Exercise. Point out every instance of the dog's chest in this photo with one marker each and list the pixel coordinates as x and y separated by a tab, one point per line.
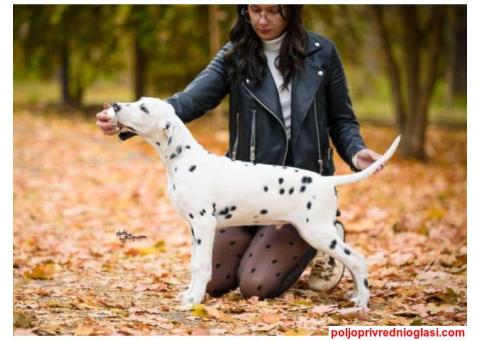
188	186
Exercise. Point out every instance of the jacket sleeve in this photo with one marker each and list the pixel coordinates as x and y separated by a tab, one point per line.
343	126
205	92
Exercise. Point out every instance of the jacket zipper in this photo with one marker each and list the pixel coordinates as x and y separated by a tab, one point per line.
235	145
273	114
252	138
320	162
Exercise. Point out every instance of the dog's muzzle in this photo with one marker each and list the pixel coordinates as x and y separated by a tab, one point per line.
125	131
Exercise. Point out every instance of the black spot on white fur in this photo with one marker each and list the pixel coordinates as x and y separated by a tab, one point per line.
224	211
192	168
199	241
179	149
290	191
302	188
282	191
280	180
306	180
263	211
365	283
333	244
347	251
309	205
169	140
191	216
187	147
158	143
265	188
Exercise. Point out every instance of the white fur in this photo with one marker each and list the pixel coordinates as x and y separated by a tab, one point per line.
227	184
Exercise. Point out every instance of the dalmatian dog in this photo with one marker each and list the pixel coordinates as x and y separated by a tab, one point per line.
211	192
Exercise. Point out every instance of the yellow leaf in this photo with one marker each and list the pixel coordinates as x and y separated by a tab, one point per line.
159	247
22	319
448	296
43	271
199	310
90	301
416	322
302	302
297	332
435	213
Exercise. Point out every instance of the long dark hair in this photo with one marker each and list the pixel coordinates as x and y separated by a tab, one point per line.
246	58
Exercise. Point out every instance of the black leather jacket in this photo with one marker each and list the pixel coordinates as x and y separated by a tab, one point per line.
320	106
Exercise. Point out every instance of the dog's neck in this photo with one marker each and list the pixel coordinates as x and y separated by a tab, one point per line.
173	148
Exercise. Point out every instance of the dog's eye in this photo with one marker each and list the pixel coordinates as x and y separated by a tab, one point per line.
143	108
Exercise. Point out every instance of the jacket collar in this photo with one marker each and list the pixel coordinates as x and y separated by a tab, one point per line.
304	86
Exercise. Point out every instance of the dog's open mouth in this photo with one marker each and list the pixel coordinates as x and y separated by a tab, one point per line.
126	132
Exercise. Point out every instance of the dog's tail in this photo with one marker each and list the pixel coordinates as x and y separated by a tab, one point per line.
351	178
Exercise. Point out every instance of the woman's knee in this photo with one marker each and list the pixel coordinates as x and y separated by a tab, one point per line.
219	286
259	285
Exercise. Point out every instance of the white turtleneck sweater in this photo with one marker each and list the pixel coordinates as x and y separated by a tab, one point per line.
271	48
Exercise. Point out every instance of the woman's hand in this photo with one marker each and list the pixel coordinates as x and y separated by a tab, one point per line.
104	122
366	157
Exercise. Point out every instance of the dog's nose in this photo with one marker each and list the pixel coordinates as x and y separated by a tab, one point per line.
116	107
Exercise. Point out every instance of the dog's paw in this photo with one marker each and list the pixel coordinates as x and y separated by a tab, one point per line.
186	306
182	295
189	300
360	300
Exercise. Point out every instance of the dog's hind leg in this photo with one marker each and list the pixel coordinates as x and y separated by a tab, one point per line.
201	262
327	240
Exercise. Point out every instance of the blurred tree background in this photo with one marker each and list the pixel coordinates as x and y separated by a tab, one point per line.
406	65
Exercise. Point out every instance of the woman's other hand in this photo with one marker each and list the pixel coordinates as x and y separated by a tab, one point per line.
366	157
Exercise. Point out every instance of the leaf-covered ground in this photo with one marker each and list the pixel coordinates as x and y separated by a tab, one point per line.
75	188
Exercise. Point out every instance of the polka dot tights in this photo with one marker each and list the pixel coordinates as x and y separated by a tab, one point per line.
261	260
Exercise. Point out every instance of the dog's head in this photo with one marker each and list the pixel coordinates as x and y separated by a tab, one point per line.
147	117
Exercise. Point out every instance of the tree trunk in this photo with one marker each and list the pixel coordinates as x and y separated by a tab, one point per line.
140	67
65	74
414	129
412	94
460	51
393	71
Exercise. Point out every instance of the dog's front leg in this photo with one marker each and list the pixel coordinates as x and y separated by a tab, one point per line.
201	263
192	261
